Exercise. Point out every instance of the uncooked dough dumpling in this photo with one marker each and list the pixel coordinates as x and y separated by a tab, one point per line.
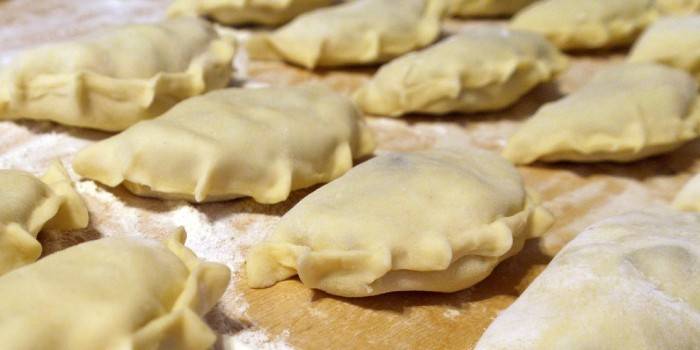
587	24
236	12
480	69
432	221
29	204
233	143
353	33
673	41
689	196
625	113
628	282
486	8
678	6
114	79
112	293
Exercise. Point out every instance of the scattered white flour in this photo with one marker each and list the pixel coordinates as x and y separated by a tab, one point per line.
252	340
451	314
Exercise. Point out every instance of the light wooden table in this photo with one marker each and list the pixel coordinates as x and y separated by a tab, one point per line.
288	313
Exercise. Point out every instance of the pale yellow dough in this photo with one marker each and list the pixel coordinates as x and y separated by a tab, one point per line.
353	33
480	69
432	221
678	6
236	12
231	143
486	8
112	294
673	41
28	204
112	80
689	196
629	282
625	113
587	24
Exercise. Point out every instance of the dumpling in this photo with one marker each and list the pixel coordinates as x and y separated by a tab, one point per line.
232	143
625	113
678	6
674	41
481	69
432	221
114	79
587	24
486	8
353	33
689	196
235	12
28	204
628	282
112	293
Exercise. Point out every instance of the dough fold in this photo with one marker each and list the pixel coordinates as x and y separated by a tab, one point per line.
628	282
432	221
353	33
237	12
114	79
112	293
587	24
625	113
480	69
28	205
232	143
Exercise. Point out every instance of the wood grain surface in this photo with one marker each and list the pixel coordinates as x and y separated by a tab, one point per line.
288	313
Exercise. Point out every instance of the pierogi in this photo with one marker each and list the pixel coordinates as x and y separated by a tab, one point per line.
28	205
437	220
114	79
625	113
353	33
480	69
236	12
233	143
486	8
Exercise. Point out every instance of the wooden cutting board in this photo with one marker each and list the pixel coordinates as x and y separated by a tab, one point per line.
289	315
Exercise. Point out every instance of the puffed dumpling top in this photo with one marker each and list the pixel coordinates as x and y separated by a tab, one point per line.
384	227
234	12
486	8
29	204
625	113
112	80
232	143
587	24
353	33
628	282
112	293
673	41
480	69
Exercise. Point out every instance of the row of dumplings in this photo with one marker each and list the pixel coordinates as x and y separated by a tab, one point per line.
350	237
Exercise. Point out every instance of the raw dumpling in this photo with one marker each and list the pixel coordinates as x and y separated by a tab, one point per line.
625	113
674	41
112	293
433	221
587	24
112	80
232	143
357	32
486	8
28	204
689	196
481	69
629	282
678	6
235	12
